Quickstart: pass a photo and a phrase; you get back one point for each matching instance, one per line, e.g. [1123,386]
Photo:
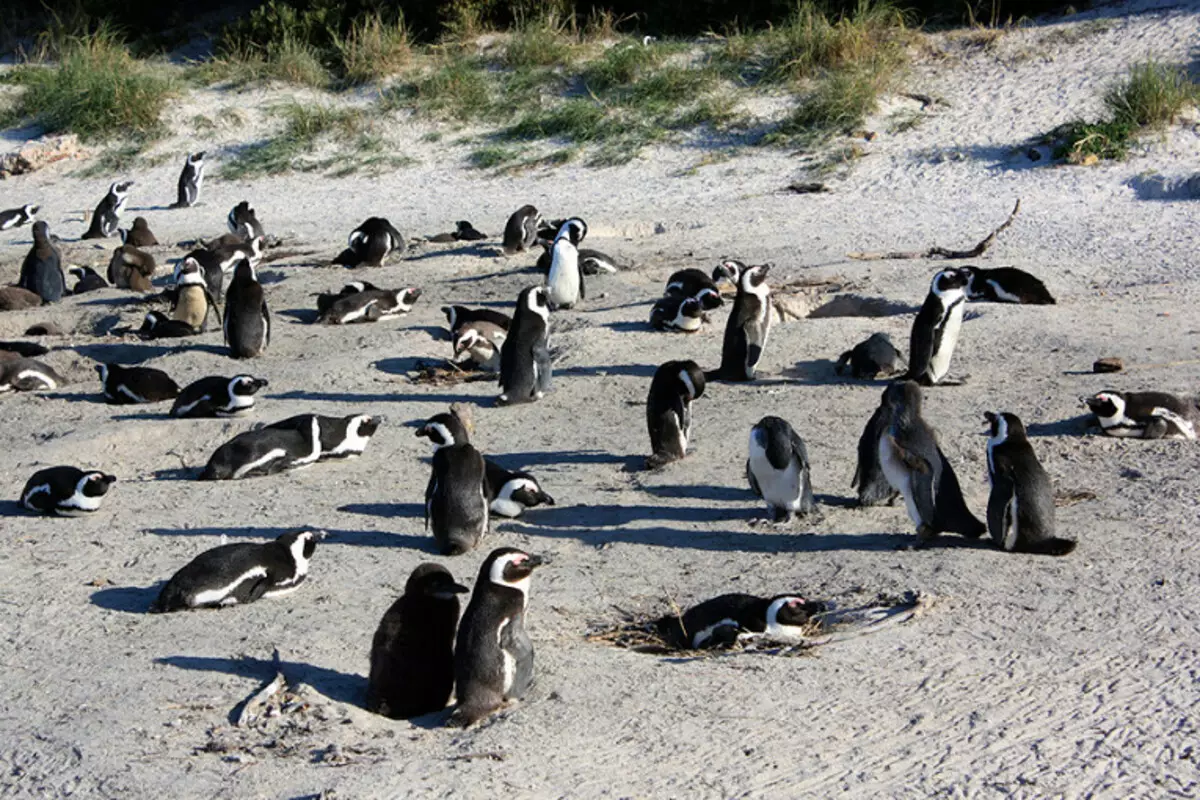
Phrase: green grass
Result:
[96,90]
[492,156]
[839,102]
[458,89]
[373,50]
[289,61]
[1082,142]
[541,44]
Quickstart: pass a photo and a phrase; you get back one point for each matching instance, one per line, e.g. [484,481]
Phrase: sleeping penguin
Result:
[721,621]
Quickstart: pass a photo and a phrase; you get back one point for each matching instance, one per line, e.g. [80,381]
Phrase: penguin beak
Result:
[458,588]
[534,561]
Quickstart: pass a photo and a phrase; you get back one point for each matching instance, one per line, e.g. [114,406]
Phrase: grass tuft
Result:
[543,44]
[492,156]
[1152,96]
[841,101]
[373,50]
[458,89]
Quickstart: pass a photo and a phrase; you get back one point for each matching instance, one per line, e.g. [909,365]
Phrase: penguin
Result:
[728,271]
[464,231]
[447,429]
[190,180]
[935,329]
[337,437]
[871,358]
[479,344]
[86,280]
[778,469]
[591,262]
[456,498]
[128,385]
[370,305]
[493,655]
[872,484]
[564,283]
[915,467]
[1020,510]
[263,451]
[458,316]
[107,215]
[206,263]
[719,621]
[236,574]
[694,283]
[218,396]
[682,314]
[521,231]
[193,301]
[325,300]
[1145,415]
[412,654]
[16,217]
[66,491]
[131,268]
[14,298]
[244,222]
[1005,285]
[371,243]
[139,235]
[748,327]
[158,325]
[675,385]
[28,375]
[513,491]
[247,320]
[41,272]
[525,356]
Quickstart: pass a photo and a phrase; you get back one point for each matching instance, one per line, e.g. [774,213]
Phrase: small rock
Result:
[39,153]
[1108,364]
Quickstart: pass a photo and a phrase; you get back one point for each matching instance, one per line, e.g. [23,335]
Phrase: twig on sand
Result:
[250,711]
[493,755]
[940,252]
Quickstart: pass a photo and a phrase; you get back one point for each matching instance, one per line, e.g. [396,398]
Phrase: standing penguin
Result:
[669,410]
[41,272]
[915,467]
[457,498]
[936,328]
[16,217]
[247,320]
[778,469]
[493,657]
[412,654]
[107,215]
[521,231]
[564,283]
[525,356]
[65,491]
[86,280]
[370,244]
[244,222]
[748,327]
[193,300]
[190,180]
[1020,511]
[126,385]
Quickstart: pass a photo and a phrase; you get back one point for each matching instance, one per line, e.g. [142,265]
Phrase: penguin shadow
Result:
[492,276]
[307,316]
[473,249]
[531,460]
[121,352]
[823,372]
[630,370]
[149,208]
[338,686]
[836,501]
[385,510]
[1072,426]
[171,473]
[723,494]
[120,300]
[567,517]
[335,397]
[437,333]
[78,397]
[13,508]
[332,536]
[129,599]
[629,326]
[401,365]
[270,277]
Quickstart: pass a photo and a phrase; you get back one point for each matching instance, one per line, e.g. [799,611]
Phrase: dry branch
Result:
[940,252]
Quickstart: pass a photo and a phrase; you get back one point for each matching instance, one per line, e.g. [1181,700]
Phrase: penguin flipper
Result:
[842,361]
[582,282]
[754,487]
[952,513]
[1000,522]
[430,488]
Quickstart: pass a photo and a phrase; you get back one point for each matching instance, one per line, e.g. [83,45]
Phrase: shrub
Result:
[373,49]
[1152,96]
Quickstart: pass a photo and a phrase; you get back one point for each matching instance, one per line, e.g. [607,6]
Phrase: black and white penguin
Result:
[564,282]
[206,263]
[158,325]
[464,231]
[458,316]
[525,357]
[457,498]
[371,243]
[778,469]
[128,385]
[139,235]
[337,437]
[1005,285]
[236,574]
[218,396]
[244,222]
[412,654]
[675,385]
[728,271]
[325,300]
[190,180]
[591,262]
[694,283]
[263,451]
[493,655]
[27,375]
[521,231]
[915,467]
[677,313]
[447,429]
[86,280]
[229,254]
[748,327]
[936,328]
[192,300]
[131,268]
[370,305]
[513,491]
[41,272]
[16,217]
[720,621]
[247,321]
[65,491]
[871,358]
[1145,415]
[479,344]
[1020,510]
[107,216]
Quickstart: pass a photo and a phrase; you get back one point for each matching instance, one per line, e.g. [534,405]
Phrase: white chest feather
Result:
[779,487]
[509,661]
[563,280]
[223,594]
[898,476]
[939,363]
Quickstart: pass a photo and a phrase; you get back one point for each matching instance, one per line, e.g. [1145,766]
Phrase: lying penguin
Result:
[66,491]
[1145,415]
[366,304]
[28,375]
[722,621]
[871,358]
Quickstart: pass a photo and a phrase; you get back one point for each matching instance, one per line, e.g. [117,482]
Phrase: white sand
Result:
[1031,677]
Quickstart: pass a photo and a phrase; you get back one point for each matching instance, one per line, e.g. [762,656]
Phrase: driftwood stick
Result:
[940,252]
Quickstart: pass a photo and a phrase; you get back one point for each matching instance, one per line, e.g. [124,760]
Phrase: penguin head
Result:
[301,544]
[196,158]
[753,279]
[1003,426]
[445,430]
[77,272]
[434,581]
[948,282]
[188,272]
[692,378]
[245,385]
[362,425]
[1106,405]
[709,298]
[140,224]
[573,230]
[121,188]
[243,273]
[537,301]
[256,248]
[30,210]
[407,297]
[691,307]
[901,396]
[728,270]
[470,339]
[41,232]
[510,568]
[791,611]
[95,484]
